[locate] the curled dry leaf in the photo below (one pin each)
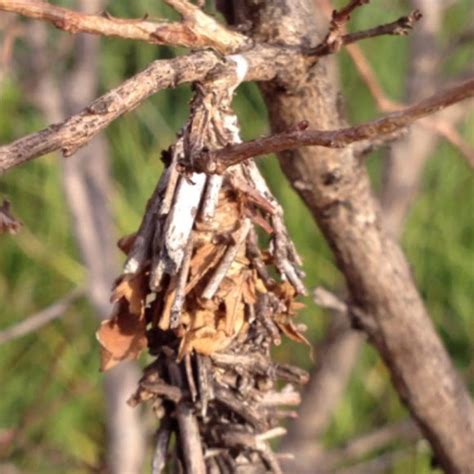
(133, 290)
(234, 307)
(205, 341)
(8, 223)
(288, 328)
(122, 337)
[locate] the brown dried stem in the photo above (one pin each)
(189, 436)
(219, 160)
(198, 30)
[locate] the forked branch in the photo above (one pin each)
(79, 129)
(198, 30)
(336, 38)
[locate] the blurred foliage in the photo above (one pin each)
(51, 399)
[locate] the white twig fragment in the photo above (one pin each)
(178, 302)
(172, 179)
(140, 249)
(328, 300)
(211, 196)
(270, 434)
(182, 217)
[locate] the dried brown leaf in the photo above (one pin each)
(286, 291)
(205, 258)
(122, 337)
(133, 289)
(203, 255)
(210, 344)
(295, 306)
(205, 341)
(204, 318)
(289, 329)
(249, 288)
(234, 314)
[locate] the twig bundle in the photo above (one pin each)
(197, 291)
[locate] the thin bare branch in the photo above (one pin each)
(264, 61)
(79, 129)
(219, 160)
(442, 125)
(198, 30)
(450, 134)
(365, 444)
(38, 320)
(336, 38)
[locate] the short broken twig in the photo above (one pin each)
(178, 302)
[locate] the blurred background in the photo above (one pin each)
(57, 412)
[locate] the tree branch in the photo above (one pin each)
(36, 321)
(367, 443)
(198, 30)
(219, 160)
(336, 188)
(263, 61)
(79, 129)
(443, 126)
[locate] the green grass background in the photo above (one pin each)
(50, 385)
